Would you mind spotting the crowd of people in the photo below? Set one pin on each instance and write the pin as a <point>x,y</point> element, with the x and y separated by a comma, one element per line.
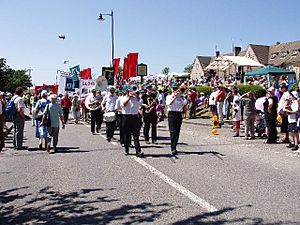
<point>133,107</point>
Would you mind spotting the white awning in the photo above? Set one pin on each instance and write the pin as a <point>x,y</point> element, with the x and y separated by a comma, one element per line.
<point>223,62</point>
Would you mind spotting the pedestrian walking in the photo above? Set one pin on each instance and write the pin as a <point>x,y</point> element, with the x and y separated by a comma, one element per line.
<point>175,105</point>
<point>76,103</point>
<point>19,119</point>
<point>248,101</point>
<point>108,106</point>
<point>130,105</point>
<point>2,120</point>
<point>66,105</point>
<point>94,105</point>
<point>54,112</point>
<point>41,131</point>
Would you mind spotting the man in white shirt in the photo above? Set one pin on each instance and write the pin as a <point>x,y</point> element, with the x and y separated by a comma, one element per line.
<point>118,109</point>
<point>281,106</point>
<point>108,106</point>
<point>176,104</point>
<point>130,105</point>
<point>19,119</point>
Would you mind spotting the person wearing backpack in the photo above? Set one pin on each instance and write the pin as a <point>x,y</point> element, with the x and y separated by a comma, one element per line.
<point>18,119</point>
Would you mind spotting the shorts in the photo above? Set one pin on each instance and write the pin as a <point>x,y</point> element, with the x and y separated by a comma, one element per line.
<point>213,109</point>
<point>284,124</point>
<point>237,124</point>
<point>292,127</point>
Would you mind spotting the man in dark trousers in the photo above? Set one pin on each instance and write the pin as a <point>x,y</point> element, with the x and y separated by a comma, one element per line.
<point>176,104</point>
<point>130,105</point>
<point>149,115</point>
<point>95,108</point>
<point>66,106</point>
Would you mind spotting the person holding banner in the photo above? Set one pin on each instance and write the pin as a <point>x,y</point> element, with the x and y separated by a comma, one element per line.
<point>108,106</point>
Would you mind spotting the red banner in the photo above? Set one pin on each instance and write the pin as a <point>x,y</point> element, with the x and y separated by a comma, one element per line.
<point>49,88</point>
<point>132,63</point>
<point>116,66</point>
<point>86,74</point>
<point>125,69</point>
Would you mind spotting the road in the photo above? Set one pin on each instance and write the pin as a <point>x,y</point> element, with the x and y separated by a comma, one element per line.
<point>215,179</point>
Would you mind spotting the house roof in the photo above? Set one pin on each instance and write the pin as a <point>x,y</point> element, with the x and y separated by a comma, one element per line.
<point>261,52</point>
<point>204,60</point>
<point>283,53</point>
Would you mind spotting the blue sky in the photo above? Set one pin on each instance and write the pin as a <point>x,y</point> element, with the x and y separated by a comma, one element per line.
<point>164,32</point>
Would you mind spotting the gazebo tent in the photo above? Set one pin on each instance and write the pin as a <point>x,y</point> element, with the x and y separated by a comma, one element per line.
<point>223,62</point>
<point>269,71</point>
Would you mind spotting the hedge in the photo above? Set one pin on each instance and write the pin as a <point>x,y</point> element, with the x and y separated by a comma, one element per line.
<point>257,90</point>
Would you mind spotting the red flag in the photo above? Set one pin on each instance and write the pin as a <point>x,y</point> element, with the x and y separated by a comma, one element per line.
<point>125,69</point>
<point>116,66</point>
<point>86,74</point>
<point>132,63</point>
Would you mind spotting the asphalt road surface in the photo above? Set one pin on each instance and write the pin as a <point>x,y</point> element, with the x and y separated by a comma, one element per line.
<point>213,180</point>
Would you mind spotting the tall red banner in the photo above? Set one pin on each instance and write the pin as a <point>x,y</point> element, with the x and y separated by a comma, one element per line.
<point>125,69</point>
<point>132,63</point>
<point>116,66</point>
<point>86,74</point>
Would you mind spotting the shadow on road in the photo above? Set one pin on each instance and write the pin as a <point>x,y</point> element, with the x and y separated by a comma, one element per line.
<point>214,218</point>
<point>86,206</point>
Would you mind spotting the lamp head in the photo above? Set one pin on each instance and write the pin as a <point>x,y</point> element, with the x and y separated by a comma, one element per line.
<point>101,18</point>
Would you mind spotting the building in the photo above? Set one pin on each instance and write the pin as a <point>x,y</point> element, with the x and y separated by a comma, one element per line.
<point>284,55</point>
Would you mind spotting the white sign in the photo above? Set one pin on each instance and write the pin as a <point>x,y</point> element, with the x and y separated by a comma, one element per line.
<point>87,85</point>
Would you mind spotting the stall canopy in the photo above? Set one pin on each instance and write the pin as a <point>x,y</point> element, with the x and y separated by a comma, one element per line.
<point>269,70</point>
<point>223,62</point>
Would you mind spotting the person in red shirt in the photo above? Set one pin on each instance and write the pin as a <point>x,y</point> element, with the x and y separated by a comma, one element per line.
<point>220,102</point>
<point>192,97</point>
<point>66,105</point>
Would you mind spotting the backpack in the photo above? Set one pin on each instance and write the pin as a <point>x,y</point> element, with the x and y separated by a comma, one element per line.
<point>10,109</point>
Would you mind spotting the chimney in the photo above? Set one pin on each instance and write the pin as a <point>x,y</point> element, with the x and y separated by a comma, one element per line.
<point>237,51</point>
<point>217,54</point>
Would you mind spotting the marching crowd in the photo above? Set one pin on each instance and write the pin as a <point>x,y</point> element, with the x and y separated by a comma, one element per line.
<point>134,106</point>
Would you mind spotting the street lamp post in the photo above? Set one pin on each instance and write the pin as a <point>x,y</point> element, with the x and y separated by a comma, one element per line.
<point>101,18</point>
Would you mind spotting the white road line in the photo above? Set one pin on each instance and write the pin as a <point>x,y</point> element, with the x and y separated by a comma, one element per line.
<point>201,202</point>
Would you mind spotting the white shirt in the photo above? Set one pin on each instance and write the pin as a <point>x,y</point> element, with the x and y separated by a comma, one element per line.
<point>178,103</point>
<point>161,98</point>
<point>118,102</point>
<point>292,118</point>
<point>212,98</point>
<point>19,103</point>
<point>109,102</point>
<point>133,106</point>
<point>282,102</point>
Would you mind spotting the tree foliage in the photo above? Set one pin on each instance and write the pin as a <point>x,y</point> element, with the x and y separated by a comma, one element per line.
<point>166,70</point>
<point>10,78</point>
<point>188,68</point>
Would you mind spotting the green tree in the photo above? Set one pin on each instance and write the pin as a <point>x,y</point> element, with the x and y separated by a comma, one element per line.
<point>10,78</point>
<point>166,70</point>
<point>188,68</point>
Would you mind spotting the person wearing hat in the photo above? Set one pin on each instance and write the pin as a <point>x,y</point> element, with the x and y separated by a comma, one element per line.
<point>281,106</point>
<point>270,111</point>
<point>291,110</point>
<point>149,114</point>
<point>93,102</point>
<point>109,105</point>
<point>175,105</point>
<point>130,105</point>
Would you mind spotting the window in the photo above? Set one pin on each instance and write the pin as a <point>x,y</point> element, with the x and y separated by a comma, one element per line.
<point>295,52</point>
<point>284,54</point>
<point>274,55</point>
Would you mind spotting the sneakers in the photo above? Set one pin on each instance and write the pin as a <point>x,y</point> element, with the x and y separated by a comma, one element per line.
<point>52,151</point>
<point>174,152</point>
<point>140,154</point>
<point>236,135</point>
